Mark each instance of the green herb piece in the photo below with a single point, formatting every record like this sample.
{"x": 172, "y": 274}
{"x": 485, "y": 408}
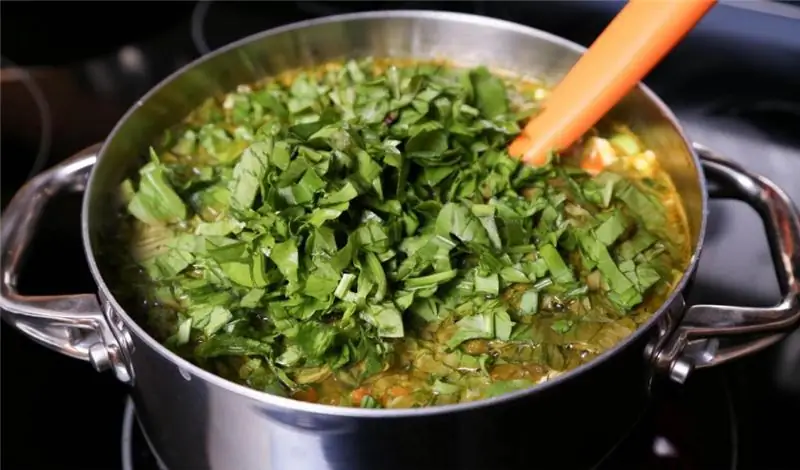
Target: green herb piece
{"x": 155, "y": 202}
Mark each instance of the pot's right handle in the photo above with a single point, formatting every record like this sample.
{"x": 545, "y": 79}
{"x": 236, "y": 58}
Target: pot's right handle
{"x": 695, "y": 343}
{"x": 73, "y": 325}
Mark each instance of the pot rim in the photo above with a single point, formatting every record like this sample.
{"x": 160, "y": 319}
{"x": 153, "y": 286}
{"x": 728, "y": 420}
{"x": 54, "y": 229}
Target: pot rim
{"x": 341, "y": 411}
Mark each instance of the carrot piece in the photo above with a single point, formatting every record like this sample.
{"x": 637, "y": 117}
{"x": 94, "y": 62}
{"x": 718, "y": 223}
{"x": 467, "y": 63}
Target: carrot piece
{"x": 309, "y": 395}
{"x": 593, "y": 163}
{"x": 398, "y": 391}
{"x": 358, "y": 394}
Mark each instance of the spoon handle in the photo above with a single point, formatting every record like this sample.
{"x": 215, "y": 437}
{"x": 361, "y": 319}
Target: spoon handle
{"x": 632, "y": 44}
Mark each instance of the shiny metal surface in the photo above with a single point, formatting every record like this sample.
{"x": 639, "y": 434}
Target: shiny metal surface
{"x": 73, "y": 325}
{"x": 197, "y": 420}
{"x": 128, "y": 424}
{"x": 702, "y": 322}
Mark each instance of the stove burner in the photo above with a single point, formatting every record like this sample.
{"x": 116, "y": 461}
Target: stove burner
{"x": 777, "y": 117}
{"x": 197, "y": 27}
{"x": 137, "y": 453}
{"x": 23, "y": 77}
{"x": 327, "y": 8}
{"x": 695, "y": 429}
{"x": 215, "y": 24}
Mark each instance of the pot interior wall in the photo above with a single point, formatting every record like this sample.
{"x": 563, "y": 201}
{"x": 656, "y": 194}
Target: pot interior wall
{"x": 463, "y": 39}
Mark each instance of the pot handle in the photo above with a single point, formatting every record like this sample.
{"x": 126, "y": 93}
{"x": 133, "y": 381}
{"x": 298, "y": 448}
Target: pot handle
{"x": 73, "y": 325}
{"x": 695, "y": 342}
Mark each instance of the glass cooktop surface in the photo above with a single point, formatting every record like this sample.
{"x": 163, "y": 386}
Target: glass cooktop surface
{"x": 732, "y": 84}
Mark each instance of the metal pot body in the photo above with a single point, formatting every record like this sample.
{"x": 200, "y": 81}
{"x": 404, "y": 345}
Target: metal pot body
{"x": 195, "y": 420}
{"x": 193, "y": 425}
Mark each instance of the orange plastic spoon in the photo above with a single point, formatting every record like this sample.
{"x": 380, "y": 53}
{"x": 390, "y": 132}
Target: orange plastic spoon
{"x": 632, "y": 44}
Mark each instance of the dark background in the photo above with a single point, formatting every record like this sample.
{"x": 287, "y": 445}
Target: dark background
{"x": 733, "y": 83}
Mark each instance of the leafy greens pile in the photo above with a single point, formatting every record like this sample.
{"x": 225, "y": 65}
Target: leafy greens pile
{"x": 312, "y": 223}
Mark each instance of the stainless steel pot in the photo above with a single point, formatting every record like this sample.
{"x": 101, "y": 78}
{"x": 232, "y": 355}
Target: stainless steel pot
{"x": 196, "y": 420}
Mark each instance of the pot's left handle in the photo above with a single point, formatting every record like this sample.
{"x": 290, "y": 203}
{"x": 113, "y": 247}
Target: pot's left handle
{"x": 73, "y": 325}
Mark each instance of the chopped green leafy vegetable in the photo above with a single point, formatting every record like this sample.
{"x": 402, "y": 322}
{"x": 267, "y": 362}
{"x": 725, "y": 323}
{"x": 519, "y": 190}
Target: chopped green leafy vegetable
{"x": 358, "y": 235}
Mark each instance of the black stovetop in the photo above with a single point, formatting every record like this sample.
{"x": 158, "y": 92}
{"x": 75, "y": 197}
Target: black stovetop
{"x": 732, "y": 83}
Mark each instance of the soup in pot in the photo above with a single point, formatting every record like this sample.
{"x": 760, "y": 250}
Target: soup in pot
{"x": 358, "y": 235}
